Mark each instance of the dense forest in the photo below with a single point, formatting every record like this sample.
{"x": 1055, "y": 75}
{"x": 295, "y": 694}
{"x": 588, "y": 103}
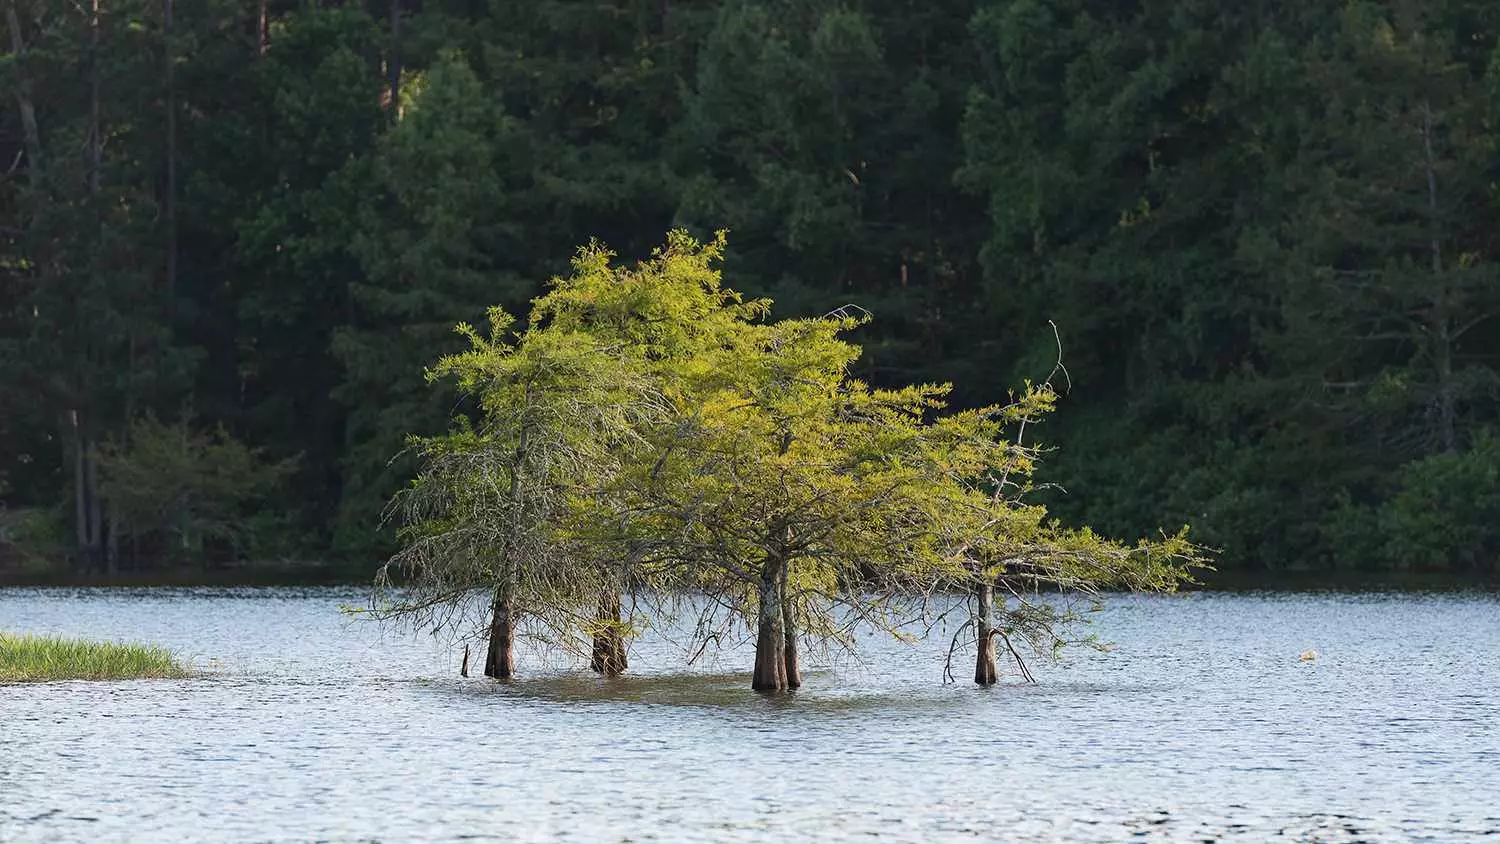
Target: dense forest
{"x": 234, "y": 233}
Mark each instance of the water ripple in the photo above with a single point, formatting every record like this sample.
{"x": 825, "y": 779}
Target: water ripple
{"x": 1203, "y": 726}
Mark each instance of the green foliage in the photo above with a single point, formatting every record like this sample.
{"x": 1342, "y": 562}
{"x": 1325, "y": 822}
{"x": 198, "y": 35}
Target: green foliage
{"x": 1255, "y": 233}
{"x": 823, "y": 135}
{"x": 649, "y": 429}
{"x": 196, "y": 493}
{"x": 431, "y": 253}
{"x": 313, "y": 119}
{"x": 1441, "y": 515}
{"x": 1265, "y": 233}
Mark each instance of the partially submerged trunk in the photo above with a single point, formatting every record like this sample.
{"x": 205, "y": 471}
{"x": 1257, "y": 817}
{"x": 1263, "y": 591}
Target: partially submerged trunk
{"x": 789, "y": 630}
{"x": 501, "y": 661}
{"x": 984, "y": 664}
{"x": 609, "y": 639}
{"x": 770, "y": 642}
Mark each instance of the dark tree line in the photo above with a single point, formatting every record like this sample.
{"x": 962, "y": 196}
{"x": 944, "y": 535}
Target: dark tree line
{"x": 1266, "y": 232}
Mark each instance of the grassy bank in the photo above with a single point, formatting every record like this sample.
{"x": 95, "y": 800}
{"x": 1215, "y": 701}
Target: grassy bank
{"x": 40, "y": 658}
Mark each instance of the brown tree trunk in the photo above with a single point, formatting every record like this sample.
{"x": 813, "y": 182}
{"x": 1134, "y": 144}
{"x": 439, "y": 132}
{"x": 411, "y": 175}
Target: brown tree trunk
{"x": 501, "y": 661}
{"x": 609, "y": 640}
{"x": 770, "y": 643}
{"x": 789, "y": 630}
{"x": 984, "y": 663}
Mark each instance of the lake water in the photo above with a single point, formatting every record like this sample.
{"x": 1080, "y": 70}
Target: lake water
{"x": 1203, "y": 725}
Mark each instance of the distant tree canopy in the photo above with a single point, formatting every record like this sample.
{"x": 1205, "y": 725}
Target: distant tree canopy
{"x": 650, "y": 430}
{"x": 1266, "y": 234}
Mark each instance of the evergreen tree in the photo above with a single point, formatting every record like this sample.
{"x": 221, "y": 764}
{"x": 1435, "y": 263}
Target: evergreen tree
{"x": 433, "y": 249}
{"x": 824, "y": 136}
{"x": 292, "y": 234}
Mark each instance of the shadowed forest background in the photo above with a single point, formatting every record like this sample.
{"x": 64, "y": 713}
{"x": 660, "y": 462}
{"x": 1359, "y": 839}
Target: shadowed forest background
{"x": 234, "y": 232}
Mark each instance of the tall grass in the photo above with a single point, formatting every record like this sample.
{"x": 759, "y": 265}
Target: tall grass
{"x": 25, "y": 658}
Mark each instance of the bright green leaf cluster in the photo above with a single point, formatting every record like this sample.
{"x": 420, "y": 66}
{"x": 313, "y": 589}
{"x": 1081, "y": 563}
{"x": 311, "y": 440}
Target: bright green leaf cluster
{"x": 648, "y": 429}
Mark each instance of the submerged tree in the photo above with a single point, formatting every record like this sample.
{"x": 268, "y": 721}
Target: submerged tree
{"x": 490, "y": 507}
{"x": 650, "y": 429}
{"x": 1031, "y": 578}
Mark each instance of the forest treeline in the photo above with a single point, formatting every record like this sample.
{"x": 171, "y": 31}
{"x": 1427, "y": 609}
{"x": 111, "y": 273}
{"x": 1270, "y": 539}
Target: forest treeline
{"x": 233, "y": 233}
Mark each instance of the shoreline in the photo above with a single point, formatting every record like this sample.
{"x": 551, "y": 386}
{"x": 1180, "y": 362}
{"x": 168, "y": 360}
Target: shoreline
{"x": 337, "y": 575}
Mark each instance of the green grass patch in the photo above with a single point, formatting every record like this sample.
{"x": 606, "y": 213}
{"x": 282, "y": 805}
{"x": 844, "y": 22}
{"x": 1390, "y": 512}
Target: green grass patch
{"x": 40, "y": 658}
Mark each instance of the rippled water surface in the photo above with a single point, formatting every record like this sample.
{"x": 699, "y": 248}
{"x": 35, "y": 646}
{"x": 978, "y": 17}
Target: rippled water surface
{"x": 1202, "y": 725}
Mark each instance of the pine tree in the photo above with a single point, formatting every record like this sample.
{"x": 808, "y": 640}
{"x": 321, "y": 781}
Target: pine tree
{"x": 432, "y": 252}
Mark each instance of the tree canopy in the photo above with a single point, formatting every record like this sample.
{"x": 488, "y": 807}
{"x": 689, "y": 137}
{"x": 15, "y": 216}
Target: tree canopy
{"x": 1265, "y": 235}
{"x": 649, "y": 430}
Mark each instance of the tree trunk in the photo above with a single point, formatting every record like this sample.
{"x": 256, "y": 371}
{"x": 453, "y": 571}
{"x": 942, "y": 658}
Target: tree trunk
{"x": 1441, "y": 327}
{"x": 96, "y": 137}
{"x": 501, "y": 661}
{"x": 789, "y": 630}
{"x": 80, "y": 489}
{"x": 96, "y": 501}
{"x": 29, "y": 131}
{"x": 984, "y": 663}
{"x": 112, "y": 545}
{"x": 96, "y": 508}
{"x": 609, "y": 640}
{"x": 393, "y": 61}
{"x": 170, "y": 205}
{"x": 770, "y": 643}
{"x": 262, "y": 28}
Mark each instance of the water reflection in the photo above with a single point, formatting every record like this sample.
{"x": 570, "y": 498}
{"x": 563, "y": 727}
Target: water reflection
{"x": 727, "y": 693}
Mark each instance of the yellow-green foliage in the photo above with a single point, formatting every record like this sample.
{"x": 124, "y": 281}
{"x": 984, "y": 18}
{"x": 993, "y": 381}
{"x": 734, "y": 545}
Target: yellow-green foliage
{"x": 25, "y": 658}
{"x": 648, "y": 426}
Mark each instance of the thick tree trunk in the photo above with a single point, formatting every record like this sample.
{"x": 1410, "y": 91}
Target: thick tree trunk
{"x": 984, "y": 663}
{"x": 789, "y": 630}
{"x": 501, "y": 661}
{"x": 770, "y": 643}
{"x": 609, "y": 641}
